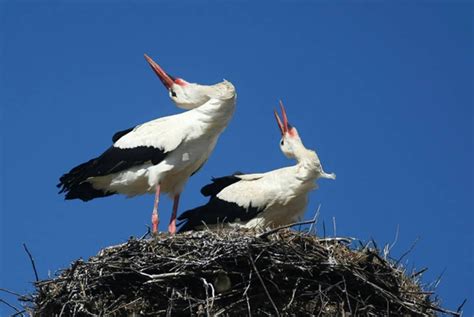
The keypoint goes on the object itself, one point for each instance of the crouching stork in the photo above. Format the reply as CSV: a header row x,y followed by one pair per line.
x,y
271,199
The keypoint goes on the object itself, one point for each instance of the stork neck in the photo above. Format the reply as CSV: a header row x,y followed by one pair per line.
x,y
308,162
217,113
302,154
309,166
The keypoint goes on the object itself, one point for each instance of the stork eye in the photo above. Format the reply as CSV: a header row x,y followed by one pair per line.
x,y
282,142
172,93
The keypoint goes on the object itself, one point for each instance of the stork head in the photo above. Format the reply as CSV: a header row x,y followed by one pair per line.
x,y
290,142
292,146
185,95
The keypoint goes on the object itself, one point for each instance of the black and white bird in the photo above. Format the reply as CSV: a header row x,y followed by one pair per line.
x,y
271,199
159,155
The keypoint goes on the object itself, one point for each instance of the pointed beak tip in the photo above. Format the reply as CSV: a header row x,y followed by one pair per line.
x,y
280,124
284,117
164,77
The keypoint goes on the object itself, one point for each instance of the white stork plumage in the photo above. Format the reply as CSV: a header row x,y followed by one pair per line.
x,y
159,155
271,199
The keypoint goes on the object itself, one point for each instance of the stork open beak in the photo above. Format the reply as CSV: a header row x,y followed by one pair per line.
x,y
166,79
284,126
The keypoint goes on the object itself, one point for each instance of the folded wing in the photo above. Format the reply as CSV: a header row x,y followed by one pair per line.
x,y
231,200
149,143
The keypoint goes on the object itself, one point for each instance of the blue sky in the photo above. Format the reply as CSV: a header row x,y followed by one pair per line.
x,y
383,93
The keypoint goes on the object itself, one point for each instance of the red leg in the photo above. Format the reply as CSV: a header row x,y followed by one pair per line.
x,y
172,225
154,216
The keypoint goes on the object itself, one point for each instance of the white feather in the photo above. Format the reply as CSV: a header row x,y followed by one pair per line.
x,y
188,138
282,193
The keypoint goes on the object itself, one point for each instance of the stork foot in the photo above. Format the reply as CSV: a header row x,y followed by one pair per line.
x,y
172,227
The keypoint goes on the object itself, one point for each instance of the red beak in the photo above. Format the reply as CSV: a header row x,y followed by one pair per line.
x,y
164,77
282,125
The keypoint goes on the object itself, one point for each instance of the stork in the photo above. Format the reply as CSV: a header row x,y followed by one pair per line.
x,y
270,199
159,155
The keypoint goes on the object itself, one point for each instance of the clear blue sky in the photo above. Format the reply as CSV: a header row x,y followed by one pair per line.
x,y
383,92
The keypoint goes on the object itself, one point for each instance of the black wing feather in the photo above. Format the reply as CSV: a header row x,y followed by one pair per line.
x,y
219,184
113,160
216,211
120,134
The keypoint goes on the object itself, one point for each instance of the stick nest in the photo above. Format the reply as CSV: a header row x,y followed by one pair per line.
x,y
233,273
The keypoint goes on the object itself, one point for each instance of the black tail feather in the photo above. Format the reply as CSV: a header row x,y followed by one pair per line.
x,y
86,192
76,186
114,160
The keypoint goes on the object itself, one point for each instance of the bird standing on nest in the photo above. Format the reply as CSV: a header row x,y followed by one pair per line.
x,y
271,199
159,155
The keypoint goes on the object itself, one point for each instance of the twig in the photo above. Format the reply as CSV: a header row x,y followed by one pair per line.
x,y
160,277
123,306
293,294
32,261
10,292
461,306
388,247
444,311
248,305
417,292
365,246
9,305
385,292
438,280
169,309
395,240
334,226
248,286
223,310
347,295
338,239
316,216
63,308
207,285
423,270
267,233
408,251
374,243
148,231
263,284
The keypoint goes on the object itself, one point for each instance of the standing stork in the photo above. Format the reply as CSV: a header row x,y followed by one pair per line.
x,y
159,155
271,199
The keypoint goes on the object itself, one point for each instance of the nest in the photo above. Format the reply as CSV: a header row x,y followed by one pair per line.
x,y
234,273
